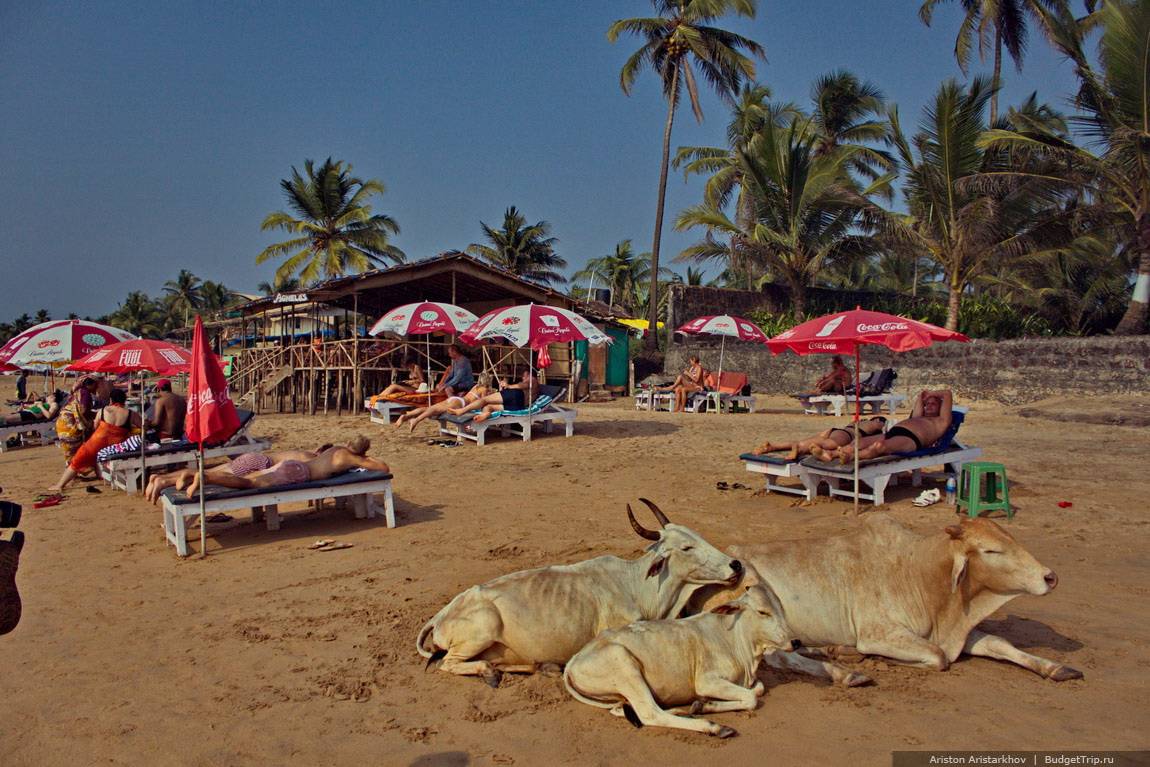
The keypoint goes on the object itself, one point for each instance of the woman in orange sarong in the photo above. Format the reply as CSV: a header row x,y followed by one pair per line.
x,y
114,424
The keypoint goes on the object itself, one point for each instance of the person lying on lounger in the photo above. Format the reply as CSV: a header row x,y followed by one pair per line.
x,y
467,401
240,466
929,420
412,383
285,473
516,396
39,410
830,439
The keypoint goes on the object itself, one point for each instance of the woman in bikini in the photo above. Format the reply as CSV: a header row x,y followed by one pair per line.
x,y
687,383
410,384
516,396
466,402
831,439
38,411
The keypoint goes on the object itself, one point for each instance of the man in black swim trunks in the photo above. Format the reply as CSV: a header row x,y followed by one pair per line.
x,y
929,420
516,396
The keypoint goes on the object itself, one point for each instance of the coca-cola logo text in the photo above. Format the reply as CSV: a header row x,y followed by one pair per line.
x,y
881,327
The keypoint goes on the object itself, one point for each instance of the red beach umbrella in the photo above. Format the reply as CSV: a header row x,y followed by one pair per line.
x,y
534,326
424,318
847,332
137,355
726,326
211,415
58,342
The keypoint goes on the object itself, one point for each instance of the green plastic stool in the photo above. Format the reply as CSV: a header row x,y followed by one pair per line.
x,y
978,497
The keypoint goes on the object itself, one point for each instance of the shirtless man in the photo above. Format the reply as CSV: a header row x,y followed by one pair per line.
x,y
240,466
168,415
929,420
830,439
516,396
324,466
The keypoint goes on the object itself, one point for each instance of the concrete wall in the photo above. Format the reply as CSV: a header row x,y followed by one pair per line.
x,y
1014,372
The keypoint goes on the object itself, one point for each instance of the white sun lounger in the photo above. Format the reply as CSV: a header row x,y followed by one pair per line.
x,y
45,430
355,488
649,399
841,403
774,467
384,412
464,426
125,472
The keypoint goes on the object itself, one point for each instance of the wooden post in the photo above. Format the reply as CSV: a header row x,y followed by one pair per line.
x,y
357,379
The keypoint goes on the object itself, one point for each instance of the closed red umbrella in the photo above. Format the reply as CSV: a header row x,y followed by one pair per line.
x,y
847,332
211,415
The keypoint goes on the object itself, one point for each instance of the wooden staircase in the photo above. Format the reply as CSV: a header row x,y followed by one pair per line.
x,y
266,385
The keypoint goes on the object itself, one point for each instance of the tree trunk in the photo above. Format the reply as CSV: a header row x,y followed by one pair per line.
x,y
798,299
1134,320
996,83
952,306
651,342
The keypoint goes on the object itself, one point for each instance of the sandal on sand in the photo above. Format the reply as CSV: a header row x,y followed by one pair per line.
x,y
928,497
93,490
217,518
48,500
722,486
333,546
321,543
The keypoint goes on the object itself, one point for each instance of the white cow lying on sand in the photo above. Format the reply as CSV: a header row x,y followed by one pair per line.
x,y
885,590
638,669
544,616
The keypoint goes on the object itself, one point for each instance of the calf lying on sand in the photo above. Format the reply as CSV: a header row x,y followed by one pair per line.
x,y
637,670
886,590
544,616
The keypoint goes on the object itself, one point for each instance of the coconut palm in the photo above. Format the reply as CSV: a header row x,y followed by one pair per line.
x,y
998,25
216,297
184,292
278,285
524,250
1115,113
806,210
851,112
138,314
676,42
335,230
621,272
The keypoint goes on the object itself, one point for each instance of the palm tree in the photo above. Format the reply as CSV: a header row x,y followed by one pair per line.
x,y
185,293
676,42
806,210
621,272
334,227
1115,115
524,250
216,297
1001,23
278,285
137,314
964,224
42,316
849,111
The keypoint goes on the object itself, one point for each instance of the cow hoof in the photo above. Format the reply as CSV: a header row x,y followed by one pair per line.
x,y
493,678
550,669
759,689
696,708
1065,673
726,732
855,679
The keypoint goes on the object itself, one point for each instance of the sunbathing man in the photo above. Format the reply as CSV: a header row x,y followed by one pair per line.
x,y
169,411
466,402
240,466
831,439
324,466
929,420
516,396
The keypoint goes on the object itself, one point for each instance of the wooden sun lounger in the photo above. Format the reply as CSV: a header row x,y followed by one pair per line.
x,y
385,411
464,427
838,403
355,488
774,467
879,473
45,430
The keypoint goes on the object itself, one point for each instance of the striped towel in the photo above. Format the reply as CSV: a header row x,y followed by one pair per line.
x,y
130,445
540,402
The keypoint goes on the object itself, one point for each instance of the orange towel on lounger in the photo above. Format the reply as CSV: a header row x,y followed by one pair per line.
x,y
411,398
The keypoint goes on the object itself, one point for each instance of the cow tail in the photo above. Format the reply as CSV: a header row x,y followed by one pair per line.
x,y
580,696
428,650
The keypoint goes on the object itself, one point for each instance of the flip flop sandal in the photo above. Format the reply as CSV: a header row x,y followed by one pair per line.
x,y
722,486
927,498
93,490
218,518
321,543
335,546
739,486
52,500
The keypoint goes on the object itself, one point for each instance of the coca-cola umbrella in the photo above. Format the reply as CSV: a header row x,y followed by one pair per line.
x,y
846,333
726,326
534,326
424,318
211,415
58,342
139,355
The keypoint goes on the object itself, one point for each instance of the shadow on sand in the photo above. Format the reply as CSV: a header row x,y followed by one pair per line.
x,y
442,759
1025,633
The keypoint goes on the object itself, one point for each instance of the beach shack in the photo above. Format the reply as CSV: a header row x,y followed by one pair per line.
x,y
308,351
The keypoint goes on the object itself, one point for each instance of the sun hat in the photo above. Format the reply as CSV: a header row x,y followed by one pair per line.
x,y
423,388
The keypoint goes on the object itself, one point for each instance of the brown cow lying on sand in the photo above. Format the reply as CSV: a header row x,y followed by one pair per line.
x,y
885,590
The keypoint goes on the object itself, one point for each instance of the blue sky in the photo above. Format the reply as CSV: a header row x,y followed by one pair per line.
x,y
141,138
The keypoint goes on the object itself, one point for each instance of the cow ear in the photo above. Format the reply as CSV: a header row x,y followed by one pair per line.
x,y
957,571
656,566
955,532
727,609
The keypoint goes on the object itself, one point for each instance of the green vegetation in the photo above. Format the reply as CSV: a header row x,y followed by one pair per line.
x,y
524,250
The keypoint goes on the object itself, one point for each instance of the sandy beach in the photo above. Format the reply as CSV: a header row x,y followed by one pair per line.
x,y
268,653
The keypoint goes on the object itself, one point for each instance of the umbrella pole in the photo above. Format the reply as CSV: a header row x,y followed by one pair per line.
x,y
143,435
203,516
856,430
427,349
719,399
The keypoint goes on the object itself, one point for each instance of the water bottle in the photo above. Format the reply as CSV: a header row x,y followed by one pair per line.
x,y
950,488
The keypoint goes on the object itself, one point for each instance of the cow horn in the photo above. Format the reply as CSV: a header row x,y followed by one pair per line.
x,y
650,535
659,515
